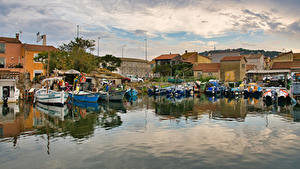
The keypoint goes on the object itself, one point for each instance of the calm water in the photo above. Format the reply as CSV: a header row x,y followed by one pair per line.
x,y
151,133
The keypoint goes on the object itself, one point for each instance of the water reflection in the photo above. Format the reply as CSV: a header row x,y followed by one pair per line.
x,y
206,129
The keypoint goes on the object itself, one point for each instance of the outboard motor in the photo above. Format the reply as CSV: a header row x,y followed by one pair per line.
x,y
5,96
274,95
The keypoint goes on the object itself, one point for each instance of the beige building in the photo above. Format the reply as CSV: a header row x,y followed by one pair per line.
x,y
233,68
255,61
195,58
137,67
207,70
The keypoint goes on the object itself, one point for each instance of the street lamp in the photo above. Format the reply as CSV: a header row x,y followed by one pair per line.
x,y
98,46
145,48
123,50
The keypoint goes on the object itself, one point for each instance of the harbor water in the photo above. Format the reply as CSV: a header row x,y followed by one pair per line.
x,y
195,132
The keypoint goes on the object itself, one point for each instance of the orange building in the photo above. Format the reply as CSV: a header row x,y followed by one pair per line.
x,y
30,52
10,52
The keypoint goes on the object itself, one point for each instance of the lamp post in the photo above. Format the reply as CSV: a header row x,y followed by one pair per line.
x,y
145,48
98,46
123,50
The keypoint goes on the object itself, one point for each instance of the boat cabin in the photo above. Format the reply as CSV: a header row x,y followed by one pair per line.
x,y
8,89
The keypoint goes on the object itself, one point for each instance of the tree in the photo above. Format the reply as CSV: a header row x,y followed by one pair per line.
x,y
164,70
110,62
79,43
70,56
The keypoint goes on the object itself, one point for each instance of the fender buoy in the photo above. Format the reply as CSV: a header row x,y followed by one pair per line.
x,y
82,79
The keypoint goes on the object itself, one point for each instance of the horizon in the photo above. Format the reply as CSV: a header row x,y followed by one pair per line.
x,y
169,26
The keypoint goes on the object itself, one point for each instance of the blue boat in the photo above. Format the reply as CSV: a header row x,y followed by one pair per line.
x,y
83,96
131,93
213,88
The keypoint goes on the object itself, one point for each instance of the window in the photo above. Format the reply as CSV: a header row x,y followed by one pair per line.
x,y
2,62
35,56
37,73
199,74
210,74
2,47
243,65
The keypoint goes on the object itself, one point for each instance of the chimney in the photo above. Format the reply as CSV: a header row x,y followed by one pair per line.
x,y
17,36
44,40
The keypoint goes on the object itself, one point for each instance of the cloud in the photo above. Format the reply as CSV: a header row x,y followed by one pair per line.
x,y
127,21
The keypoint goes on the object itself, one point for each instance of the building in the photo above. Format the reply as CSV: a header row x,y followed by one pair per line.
x,y
217,56
255,61
29,52
10,52
233,68
136,67
18,57
195,58
283,57
287,61
171,59
203,70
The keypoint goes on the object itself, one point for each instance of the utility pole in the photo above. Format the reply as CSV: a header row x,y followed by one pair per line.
x,y
123,50
98,45
146,48
77,31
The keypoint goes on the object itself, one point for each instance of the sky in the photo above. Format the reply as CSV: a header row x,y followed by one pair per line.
x,y
166,26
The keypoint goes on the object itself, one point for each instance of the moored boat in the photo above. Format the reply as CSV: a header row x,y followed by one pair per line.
x,y
83,96
50,97
112,95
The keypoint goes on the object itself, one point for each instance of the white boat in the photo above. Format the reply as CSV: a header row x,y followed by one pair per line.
x,y
51,97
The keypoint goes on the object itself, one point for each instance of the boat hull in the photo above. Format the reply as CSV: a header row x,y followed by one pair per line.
x,y
112,96
85,97
51,97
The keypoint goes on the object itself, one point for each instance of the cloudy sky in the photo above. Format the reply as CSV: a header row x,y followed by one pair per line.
x,y
169,25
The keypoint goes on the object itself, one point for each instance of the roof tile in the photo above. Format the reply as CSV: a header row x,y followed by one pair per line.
x,y
207,67
166,57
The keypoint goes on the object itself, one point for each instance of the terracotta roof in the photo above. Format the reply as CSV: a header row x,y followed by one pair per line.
x,y
40,48
207,67
166,57
253,56
9,40
283,54
250,67
134,60
296,56
232,58
188,55
286,65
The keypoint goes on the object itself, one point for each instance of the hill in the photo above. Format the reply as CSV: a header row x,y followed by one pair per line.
x,y
242,51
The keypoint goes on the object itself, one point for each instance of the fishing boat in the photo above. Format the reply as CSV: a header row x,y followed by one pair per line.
x,y
112,95
213,88
131,93
252,90
52,97
84,96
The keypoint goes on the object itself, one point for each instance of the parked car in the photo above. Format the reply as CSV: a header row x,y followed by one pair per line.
x,y
125,79
135,79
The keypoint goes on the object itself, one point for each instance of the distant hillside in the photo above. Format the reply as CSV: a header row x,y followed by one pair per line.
x,y
242,51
